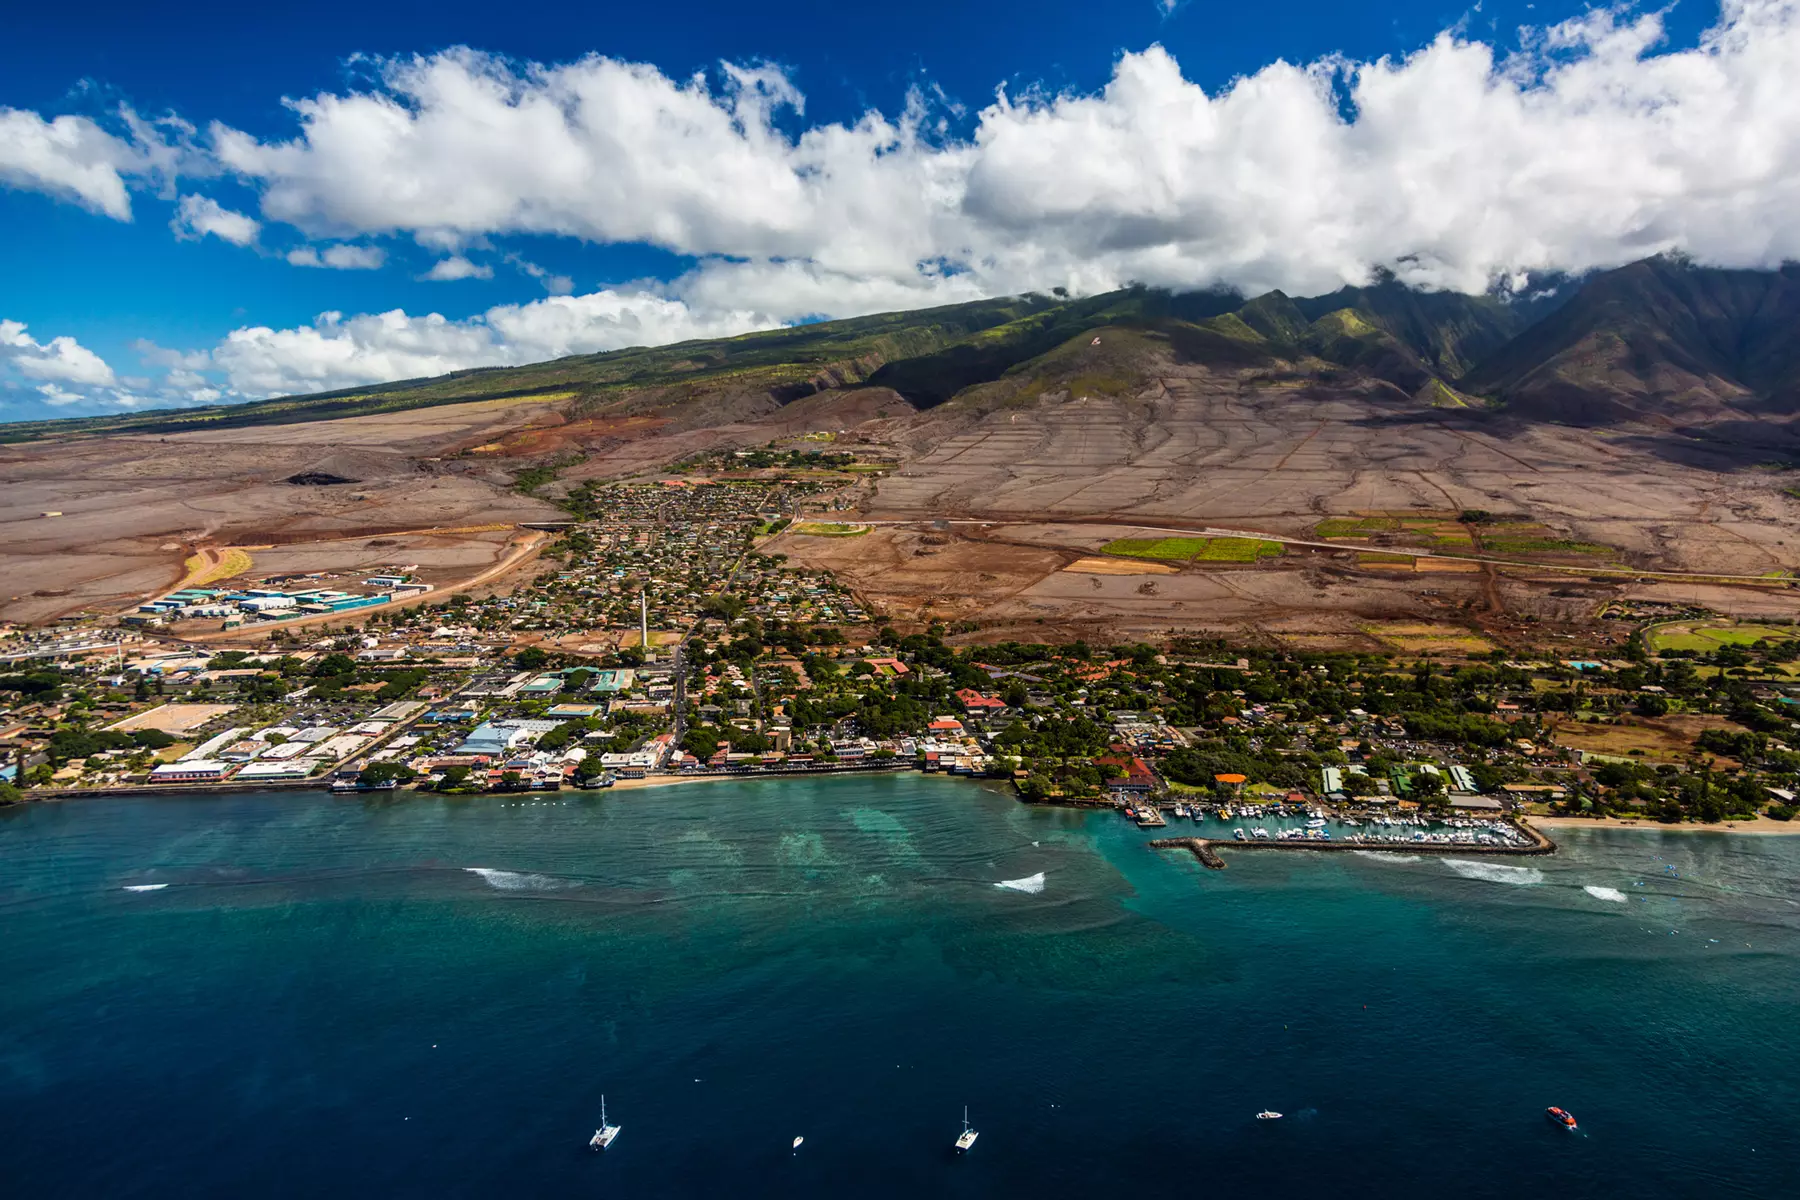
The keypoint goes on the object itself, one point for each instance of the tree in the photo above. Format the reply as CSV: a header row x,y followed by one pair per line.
x,y
454,777
333,665
380,773
12,795
532,658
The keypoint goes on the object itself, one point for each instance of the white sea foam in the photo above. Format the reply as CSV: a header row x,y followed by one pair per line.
x,y
1492,872
1032,884
1606,893
145,887
1388,856
520,881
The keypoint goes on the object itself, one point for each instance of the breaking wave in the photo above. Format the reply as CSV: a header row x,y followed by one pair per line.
x,y
520,881
145,887
1388,856
1489,872
1031,884
1606,893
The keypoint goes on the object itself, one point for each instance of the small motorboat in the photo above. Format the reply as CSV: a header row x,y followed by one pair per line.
x,y
797,1142
1560,1116
1268,1115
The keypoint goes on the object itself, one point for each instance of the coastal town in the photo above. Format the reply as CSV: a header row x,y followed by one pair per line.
x,y
657,641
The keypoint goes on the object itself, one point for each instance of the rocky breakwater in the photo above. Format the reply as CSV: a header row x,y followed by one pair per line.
x,y
1202,848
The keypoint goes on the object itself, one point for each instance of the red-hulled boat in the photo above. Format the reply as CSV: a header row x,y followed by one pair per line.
x,y
1559,1116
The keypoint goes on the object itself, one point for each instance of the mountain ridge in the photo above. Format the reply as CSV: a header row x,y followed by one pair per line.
x,y
1658,340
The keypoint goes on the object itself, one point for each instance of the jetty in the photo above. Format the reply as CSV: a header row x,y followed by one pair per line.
x,y
1202,848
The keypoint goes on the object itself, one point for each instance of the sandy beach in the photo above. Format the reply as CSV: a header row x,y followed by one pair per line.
x,y
1757,825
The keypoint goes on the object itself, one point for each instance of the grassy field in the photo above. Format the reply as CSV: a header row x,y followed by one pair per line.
x,y
1625,740
231,563
1242,550
1421,637
1357,527
831,529
1706,637
1191,549
1169,549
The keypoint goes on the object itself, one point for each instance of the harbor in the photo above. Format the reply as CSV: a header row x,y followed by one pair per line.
x,y
1524,840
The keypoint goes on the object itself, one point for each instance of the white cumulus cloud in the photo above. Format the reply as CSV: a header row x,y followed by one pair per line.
x,y
196,216
341,352
69,157
339,258
75,158
1592,145
458,267
61,360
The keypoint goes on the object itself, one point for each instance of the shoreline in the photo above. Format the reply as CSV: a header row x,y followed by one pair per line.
x,y
1753,826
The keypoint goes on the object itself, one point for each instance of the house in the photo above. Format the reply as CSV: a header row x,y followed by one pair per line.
x,y
1130,777
977,705
946,725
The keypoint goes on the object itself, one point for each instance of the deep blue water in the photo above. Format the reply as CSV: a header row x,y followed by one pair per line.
x,y
326,1000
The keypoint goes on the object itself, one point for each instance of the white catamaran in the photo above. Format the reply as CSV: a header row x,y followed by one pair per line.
x,y
967,1140
603,1136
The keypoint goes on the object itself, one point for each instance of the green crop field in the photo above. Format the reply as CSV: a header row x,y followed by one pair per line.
x,y
831,529
1240,550
1169,549
1191,549
1537,545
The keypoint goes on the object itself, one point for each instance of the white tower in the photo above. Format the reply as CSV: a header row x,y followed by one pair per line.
x,y
644,617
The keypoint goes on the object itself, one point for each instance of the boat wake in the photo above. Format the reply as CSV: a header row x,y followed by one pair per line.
x,y
145,887
1388,856
1489,872
1031,884
521,881
1606,893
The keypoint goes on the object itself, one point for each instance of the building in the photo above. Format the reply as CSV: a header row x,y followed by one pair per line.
x,y
1127,777
977,705
199,770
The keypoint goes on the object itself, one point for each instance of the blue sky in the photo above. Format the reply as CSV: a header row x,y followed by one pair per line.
x,y
165,182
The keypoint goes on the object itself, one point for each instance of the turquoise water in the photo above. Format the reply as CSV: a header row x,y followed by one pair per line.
x,y
327,997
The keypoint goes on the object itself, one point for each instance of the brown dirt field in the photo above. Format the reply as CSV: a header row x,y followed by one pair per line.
x,y
136,506
1664,739
173,718
906,572
1120,566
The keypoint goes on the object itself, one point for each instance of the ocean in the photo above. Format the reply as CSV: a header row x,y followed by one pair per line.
x,y
295,995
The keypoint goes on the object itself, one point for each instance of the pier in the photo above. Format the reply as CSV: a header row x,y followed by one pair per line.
x,y
1202,848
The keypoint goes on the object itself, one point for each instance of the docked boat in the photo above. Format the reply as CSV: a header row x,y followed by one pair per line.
x,y
966,1141
1267,1115
1560,1116
603,1136
1316,823
1238,834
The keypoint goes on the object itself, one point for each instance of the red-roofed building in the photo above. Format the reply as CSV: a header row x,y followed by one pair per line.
x,y
975,703
946,725
1131,776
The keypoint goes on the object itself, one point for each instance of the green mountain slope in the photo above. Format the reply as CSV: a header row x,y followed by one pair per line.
x,y
1657,338
1651,339
785,363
